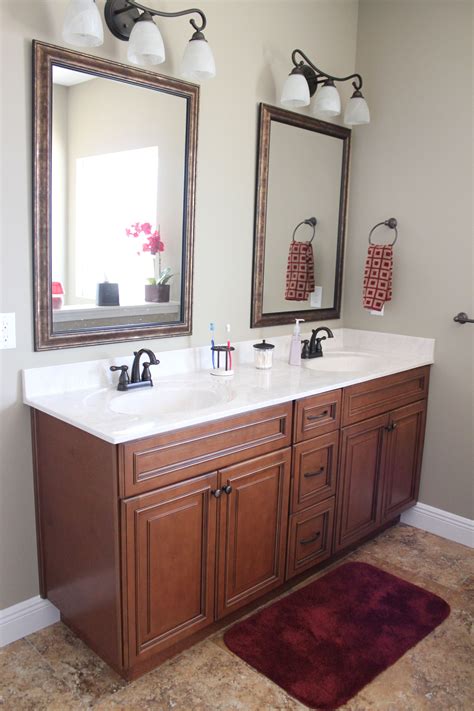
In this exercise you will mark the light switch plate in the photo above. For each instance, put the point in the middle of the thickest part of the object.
(7, 331)
(316, 298)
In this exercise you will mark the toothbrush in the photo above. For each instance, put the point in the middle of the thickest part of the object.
(227, 328)
(212, 329)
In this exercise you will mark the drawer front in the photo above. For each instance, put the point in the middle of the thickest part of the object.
(314, 471)
(179, 455)
(310, 537)
(317, 415)
(383, 394)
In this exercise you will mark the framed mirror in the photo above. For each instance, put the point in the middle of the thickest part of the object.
(301, 198)
(114, 190)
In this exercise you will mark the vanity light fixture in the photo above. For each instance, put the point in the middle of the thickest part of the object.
(130, 21)
(303, 83)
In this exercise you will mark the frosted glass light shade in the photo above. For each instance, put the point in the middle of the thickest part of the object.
(357, 111)
(327, 102)
(295, 91)
(145, 45)
(198, 61)
(82, 24)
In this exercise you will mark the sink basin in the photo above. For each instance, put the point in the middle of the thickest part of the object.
(159, 400)
(345, 361)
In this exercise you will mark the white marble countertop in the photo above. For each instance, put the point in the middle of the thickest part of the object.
(185, 393)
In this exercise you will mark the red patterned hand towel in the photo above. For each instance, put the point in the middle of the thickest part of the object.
(299, 272)
(378, 276)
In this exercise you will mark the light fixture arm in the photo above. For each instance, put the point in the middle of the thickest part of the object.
(315, 76)
(121, 16)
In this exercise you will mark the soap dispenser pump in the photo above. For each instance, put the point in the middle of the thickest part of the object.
(295, 345)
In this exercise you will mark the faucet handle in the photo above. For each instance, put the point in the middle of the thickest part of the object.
(305, 350)
(146, 375)
(124, 380)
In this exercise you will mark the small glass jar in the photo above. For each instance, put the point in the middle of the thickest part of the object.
(263, 355)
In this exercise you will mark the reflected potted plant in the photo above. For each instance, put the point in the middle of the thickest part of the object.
(157, 290)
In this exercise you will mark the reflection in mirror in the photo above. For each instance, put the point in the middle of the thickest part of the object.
(114, 244)
(302, 173)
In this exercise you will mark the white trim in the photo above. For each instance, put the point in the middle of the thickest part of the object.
(26, 617)
(442, 523)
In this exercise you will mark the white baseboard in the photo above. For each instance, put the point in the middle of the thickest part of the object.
(442, 523)
(29, 616)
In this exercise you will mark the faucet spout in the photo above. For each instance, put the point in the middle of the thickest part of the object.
(315, 349)
(136, 363)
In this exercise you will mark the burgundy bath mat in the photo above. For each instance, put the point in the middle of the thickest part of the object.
(325, 642)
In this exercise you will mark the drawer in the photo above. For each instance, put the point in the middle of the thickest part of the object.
(317, 415)
(383, 394)
(175, 456)
(314, 471)
(310, 537)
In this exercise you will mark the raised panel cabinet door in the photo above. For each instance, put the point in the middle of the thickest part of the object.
(403, 464)
(361, 475)
(169, 545)
(253, 522)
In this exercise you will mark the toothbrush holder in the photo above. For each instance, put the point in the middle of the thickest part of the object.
(225, 369)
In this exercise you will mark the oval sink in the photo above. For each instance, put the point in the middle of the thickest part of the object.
(337, 362)
(158, 401)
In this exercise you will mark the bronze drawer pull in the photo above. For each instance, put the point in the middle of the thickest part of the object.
(313, 538)
(318, 417)
(392, 426)
(217, 493)
(308, 475)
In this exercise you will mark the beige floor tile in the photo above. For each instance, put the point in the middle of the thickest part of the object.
(447, 563)
(27, 682)
(202, 678)
(54, 671)
(73, 663)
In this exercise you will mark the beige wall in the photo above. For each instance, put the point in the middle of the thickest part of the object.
(252, 41)
(414, 162)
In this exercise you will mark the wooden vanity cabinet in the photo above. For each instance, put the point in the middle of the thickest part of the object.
(144, 545)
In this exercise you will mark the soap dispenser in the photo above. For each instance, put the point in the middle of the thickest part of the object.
(295, 345)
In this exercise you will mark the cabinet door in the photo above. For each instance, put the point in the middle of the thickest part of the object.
(403, 463)
(359, 496)
(252, 529)
(169, 546)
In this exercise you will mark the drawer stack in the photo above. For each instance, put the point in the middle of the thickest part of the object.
(313, 486)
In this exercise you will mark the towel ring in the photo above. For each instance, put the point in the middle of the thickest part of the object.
(312, 221)
(391, 223)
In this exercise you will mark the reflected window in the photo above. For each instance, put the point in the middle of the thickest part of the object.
(112, 191)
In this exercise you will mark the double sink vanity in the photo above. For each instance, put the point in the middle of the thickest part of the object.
(165, 512)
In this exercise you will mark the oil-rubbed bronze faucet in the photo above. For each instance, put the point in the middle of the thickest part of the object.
(125, 383)
(314, 349)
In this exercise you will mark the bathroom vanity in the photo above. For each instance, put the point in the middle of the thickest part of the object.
(148, 544)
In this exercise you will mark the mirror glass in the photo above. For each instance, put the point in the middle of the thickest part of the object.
(302, 174)
(117, 230)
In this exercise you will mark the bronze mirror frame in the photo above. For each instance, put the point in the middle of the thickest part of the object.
(45, 56)
(267, 114)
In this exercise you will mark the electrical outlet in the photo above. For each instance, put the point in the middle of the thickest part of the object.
(316, 299)
(7, 331)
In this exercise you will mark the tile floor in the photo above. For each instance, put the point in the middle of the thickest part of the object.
(53, 670)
